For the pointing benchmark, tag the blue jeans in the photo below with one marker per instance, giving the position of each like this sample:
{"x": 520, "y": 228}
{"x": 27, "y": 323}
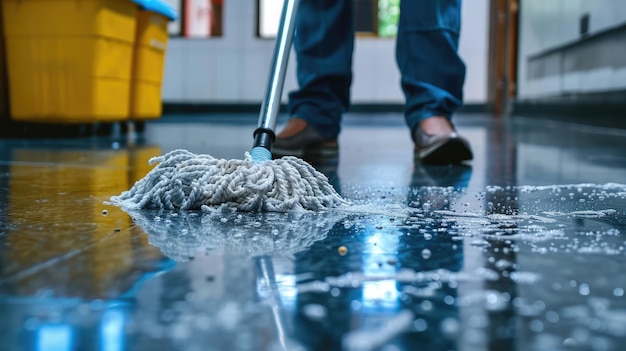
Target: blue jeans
{"x": 432, "y": 72}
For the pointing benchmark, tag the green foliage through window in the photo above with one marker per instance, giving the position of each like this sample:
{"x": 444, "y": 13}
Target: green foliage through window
{"x": 388, "y": 17}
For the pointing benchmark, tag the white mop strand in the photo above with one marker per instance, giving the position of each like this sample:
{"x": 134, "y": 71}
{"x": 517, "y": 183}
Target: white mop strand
{"x": 187, "y": 181}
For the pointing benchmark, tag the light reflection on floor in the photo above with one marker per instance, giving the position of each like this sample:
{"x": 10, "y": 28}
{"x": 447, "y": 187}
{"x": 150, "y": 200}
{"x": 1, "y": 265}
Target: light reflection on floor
{"x": 521, "y": 249}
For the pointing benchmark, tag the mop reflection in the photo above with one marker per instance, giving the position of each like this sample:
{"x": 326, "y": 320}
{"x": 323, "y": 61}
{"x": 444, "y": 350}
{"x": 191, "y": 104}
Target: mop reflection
{"x": 373, "y": 306}
{"x": 183, "y": 235}
{"x": 246, "y": 245}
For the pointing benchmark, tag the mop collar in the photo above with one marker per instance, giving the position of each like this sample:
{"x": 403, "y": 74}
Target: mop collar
{"x": 186, "y": 181}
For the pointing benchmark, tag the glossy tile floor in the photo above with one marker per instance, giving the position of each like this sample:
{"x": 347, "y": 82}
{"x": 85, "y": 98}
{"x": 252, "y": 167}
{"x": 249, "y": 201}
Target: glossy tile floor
{"x": 520, "y": 249}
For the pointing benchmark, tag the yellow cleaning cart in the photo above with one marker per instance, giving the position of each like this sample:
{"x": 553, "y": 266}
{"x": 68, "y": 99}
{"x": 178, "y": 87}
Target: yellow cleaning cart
{"x": 149, "y": 59}
{"x": 71, "y": 61}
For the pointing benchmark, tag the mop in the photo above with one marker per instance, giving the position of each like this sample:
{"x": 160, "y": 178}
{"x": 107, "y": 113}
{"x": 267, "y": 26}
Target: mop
{"x": 182, "y": 180}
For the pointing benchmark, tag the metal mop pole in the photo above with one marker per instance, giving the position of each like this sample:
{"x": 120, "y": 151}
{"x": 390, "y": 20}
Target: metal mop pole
{"x": 265, "y": 270}
{"x": 264, "y": 134}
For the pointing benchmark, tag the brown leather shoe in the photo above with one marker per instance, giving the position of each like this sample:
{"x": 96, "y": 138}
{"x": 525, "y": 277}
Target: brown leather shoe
{"x": 299, "y": 138}
{"x": 441, "y": 148}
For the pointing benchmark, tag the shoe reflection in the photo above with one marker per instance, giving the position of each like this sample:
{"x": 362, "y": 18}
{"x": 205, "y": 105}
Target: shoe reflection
{"x": 374, "y": 305}
{"x": 456, "y": 176}
{"x": 434, "y": 186}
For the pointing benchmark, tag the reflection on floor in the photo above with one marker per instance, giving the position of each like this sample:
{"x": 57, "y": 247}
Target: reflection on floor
{"x": 520, "y": 249}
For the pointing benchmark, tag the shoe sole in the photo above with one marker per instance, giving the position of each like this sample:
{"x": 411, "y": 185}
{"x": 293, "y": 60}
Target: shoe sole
{"x": 453, "y": 151}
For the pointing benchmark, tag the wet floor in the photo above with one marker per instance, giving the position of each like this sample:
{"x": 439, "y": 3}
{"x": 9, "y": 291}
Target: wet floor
{"x": 520, "y": 249}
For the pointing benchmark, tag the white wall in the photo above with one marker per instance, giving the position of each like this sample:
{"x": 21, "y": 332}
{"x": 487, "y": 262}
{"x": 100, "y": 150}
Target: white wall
{"x": 547, "y": 24}
{"x": 234, "y": 68}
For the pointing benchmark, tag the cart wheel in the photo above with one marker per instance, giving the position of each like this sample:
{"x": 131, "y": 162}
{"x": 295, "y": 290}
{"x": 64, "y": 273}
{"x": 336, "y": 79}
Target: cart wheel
{"x": 124, "y": 127}
{"x": 140, "y": 126}
{"x": 103, "y": 129}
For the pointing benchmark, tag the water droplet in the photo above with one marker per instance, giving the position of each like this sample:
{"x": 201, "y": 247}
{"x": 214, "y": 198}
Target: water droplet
{"x": 619, "y": 292}
{"x": 480, "y": 243}
{"x": 420, "y": 325}
{"x": 426, "y": 254}
{"x": 314, "y": 311}
{"x": 552, "y": 316}
{"x": 536, "y": 326}
{"x": 450, "y": 326}
{"x": 342, "y": 250}
{"x": 583, "y": 289}
{"x": 539, "y": 305}
{"x": 570, "y": 342}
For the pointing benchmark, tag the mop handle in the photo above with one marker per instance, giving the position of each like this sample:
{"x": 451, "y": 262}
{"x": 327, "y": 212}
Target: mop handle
{"x": 264, "y": 134}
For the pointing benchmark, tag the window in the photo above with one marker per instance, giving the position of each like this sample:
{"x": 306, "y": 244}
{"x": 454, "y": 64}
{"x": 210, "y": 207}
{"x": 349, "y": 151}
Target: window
{"x": 388, "y": 17}
{"x": 269, "y": 12}
{"x": 377, "y": 18}
{"x": 197, "y": 18}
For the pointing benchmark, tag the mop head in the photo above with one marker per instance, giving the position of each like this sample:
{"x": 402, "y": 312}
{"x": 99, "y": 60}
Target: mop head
{"x": 186, "y": 181}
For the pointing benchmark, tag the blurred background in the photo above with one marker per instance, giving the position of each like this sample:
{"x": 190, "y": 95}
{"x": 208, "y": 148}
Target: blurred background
{"x": 561, "y": 58}
{"x": 519, "y": 53}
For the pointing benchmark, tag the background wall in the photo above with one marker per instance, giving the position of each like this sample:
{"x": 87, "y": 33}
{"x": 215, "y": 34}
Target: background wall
{"x": 555, "y": 59}
{"x": 234, "y": 68}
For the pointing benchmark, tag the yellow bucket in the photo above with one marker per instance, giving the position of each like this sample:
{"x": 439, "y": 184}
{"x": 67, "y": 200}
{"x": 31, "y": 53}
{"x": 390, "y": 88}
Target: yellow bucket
{"x": 148, "y": 65}
{"x": 69, "y": 60}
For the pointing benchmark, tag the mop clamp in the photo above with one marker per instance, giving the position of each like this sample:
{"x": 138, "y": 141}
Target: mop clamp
{"x": 264, "y": 137}
{"x": 262, "y": 149}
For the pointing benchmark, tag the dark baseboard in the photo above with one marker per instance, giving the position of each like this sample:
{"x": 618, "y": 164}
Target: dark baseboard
{"x": 606, "y": 109}
{"x": 203, "y": 108}
{"x": 35, "y": 130}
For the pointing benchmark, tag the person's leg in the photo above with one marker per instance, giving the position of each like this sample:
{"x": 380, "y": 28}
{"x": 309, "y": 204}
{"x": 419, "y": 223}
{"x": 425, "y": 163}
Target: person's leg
{"x": 323, "y": 43}
{"x": 432, "y": 72}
